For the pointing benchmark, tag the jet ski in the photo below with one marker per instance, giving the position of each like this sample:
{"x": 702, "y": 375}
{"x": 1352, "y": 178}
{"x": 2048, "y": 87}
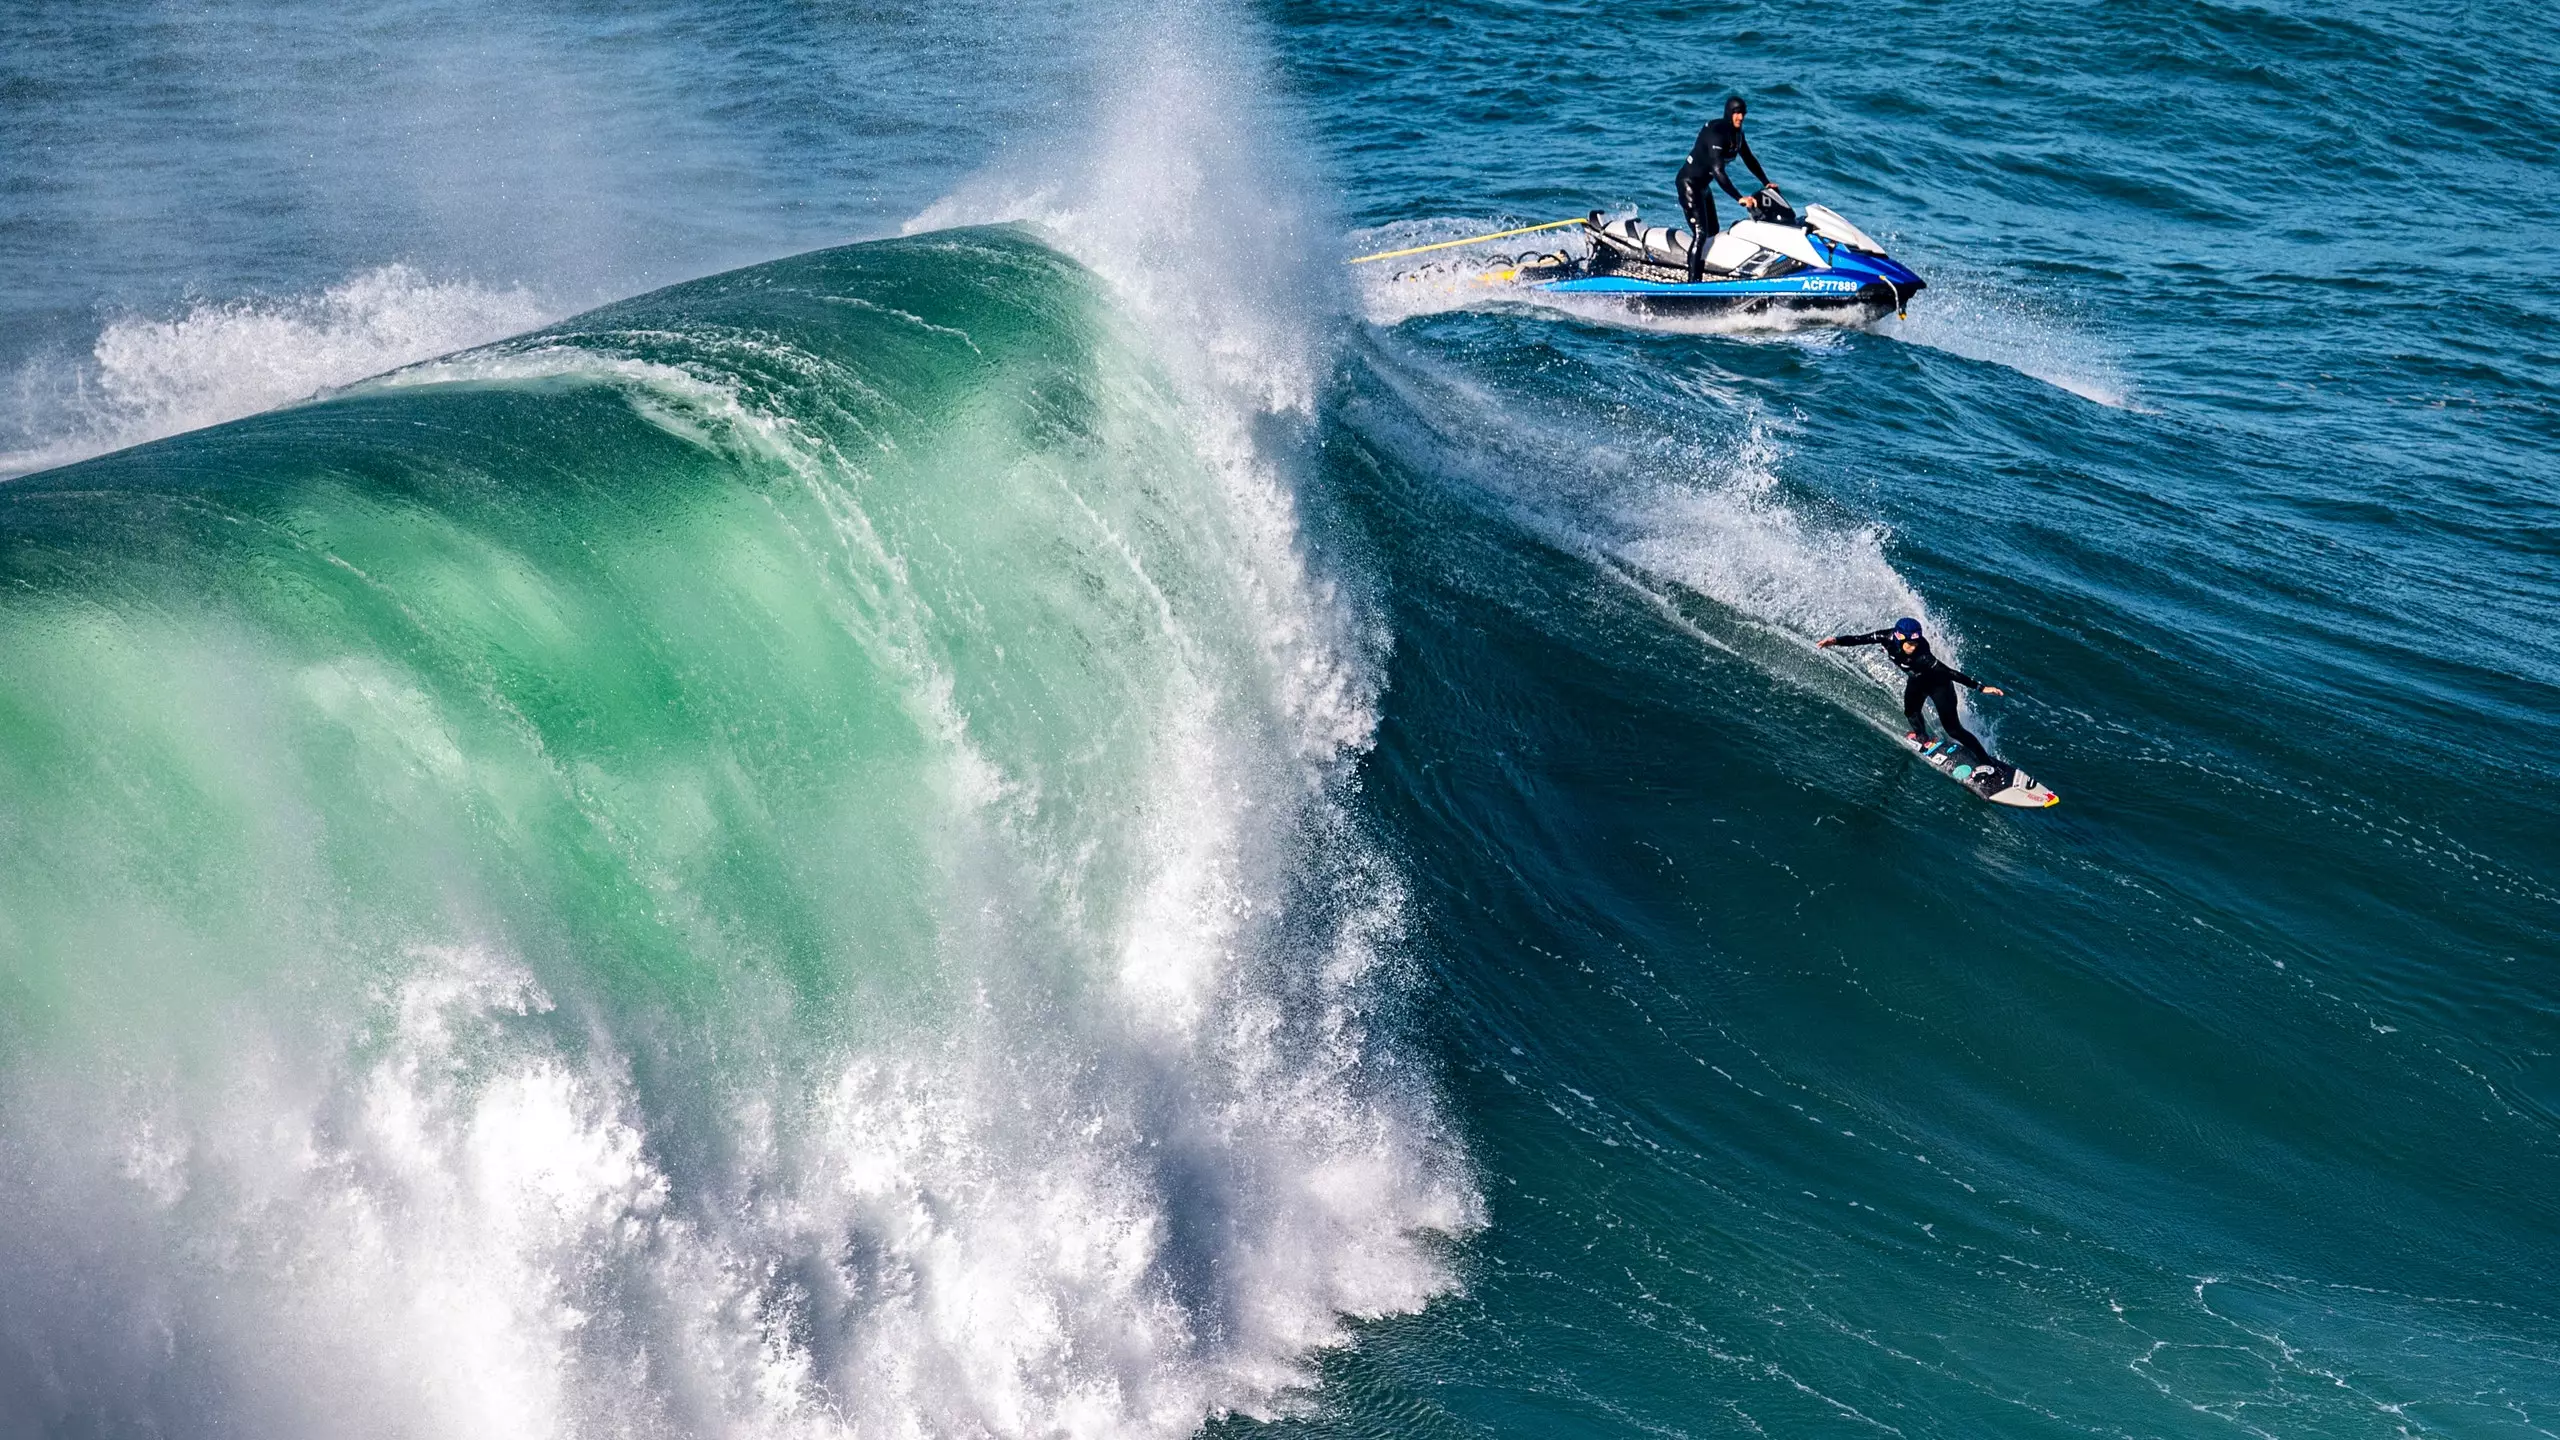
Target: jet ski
{"x": 1774, "y": 261}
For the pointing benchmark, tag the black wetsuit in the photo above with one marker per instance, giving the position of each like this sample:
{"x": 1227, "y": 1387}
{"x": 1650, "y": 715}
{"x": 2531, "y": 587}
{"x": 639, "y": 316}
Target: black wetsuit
{"x": 1931, "y": 679}
{"x": 1720, "y": 143}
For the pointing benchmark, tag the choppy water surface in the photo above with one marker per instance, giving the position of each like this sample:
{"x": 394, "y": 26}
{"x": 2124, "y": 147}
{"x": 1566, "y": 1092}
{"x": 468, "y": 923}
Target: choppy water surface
{"x": 1075, "y": 819}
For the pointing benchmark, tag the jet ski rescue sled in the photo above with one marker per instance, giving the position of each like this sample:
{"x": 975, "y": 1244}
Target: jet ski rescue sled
{"x": 1782, "y": 263}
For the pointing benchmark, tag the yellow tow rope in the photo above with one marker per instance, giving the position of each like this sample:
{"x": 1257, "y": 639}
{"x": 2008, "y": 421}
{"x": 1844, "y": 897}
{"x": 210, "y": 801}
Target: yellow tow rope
{"x": 1470, "y": 240}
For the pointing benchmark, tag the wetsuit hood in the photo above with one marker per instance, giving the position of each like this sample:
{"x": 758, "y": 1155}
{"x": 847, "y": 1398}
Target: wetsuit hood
{"x": 1733, "y": 106}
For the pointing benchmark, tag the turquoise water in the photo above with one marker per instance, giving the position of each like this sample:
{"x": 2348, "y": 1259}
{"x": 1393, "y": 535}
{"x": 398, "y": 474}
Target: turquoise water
{"x": 1074, "y": 819}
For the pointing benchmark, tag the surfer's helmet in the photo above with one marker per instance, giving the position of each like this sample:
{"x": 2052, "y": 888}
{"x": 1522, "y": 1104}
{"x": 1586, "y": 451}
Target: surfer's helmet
{"x": 1907, "y": 628}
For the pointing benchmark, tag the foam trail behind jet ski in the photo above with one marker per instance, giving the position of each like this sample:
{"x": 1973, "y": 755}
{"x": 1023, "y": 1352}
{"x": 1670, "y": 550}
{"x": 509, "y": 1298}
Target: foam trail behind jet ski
{"x": 1978, "y": 317}
{"x": 1466, "y": 278}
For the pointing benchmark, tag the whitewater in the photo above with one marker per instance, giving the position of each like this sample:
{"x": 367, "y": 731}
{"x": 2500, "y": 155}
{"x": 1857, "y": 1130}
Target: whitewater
{"x": 749, "y": 721}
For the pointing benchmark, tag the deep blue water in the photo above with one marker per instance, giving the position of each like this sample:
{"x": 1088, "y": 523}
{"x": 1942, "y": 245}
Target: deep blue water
{"x": 1107, "y": 824}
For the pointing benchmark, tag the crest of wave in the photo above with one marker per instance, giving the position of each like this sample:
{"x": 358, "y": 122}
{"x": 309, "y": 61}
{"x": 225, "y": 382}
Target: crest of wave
{"x": 146, "y": 378}
{"x": 1251, "y": 978}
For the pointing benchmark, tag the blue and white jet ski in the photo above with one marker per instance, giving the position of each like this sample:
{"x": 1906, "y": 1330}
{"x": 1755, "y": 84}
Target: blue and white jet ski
{"x": 1818, "y": 262}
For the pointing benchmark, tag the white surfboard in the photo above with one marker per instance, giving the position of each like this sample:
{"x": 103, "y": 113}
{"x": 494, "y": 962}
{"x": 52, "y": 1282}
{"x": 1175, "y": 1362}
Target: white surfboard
{"x": 1999, "y": 784}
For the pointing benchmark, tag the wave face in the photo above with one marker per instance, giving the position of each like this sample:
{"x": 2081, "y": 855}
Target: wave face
{"x": 777, "y": 858}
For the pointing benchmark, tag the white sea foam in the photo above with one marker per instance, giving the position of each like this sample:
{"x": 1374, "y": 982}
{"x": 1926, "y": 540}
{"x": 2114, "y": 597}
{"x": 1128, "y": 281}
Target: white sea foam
{"x": 1981, "y": 318}
{"x": 1729, "y": 531}
{"x": 148, "y": 377}
{"x": 1464, "y": 277}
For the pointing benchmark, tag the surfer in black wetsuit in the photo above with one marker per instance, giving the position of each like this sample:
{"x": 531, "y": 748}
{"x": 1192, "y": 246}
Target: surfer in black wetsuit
{"x": 1931, "y": 679}
{"x": 1720, "y": 143}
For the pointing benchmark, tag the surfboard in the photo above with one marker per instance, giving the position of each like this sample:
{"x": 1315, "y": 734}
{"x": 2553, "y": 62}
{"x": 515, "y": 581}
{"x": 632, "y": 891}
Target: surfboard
{"x": 1999, "y": 784}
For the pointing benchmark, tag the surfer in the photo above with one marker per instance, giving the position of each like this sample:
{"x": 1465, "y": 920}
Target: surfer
{"x": 1720, "y": 143}
{"x": 1931, "y": 679}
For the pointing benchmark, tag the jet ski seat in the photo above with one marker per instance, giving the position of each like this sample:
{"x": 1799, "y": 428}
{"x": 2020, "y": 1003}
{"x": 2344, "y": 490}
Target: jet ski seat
{"x": 1631, "y": 241}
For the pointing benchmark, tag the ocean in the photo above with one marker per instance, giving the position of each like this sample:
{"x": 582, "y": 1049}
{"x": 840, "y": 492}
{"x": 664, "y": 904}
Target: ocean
{"x": 776, "y": 719}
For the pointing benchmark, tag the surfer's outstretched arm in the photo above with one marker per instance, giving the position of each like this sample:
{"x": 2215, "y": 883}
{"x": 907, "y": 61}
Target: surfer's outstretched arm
{"x": 1968, "y": 681}
{"x": 1874, "y": 637}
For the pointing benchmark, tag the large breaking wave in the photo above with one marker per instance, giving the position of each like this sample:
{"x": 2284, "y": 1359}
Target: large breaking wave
{"x": 773, "y": 859}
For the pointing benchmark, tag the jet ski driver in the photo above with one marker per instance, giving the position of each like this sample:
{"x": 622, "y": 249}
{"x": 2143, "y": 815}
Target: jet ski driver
{"x": 1931, "y": 679}
{"x": 1720, "y": 143}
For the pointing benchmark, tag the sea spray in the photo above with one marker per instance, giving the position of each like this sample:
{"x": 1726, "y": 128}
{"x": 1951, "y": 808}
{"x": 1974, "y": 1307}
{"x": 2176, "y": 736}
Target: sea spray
{"x": 148, "y": 377}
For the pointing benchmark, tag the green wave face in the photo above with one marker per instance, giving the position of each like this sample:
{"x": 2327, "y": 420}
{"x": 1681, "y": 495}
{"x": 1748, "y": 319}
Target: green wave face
{"x": 784, "y": 838}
